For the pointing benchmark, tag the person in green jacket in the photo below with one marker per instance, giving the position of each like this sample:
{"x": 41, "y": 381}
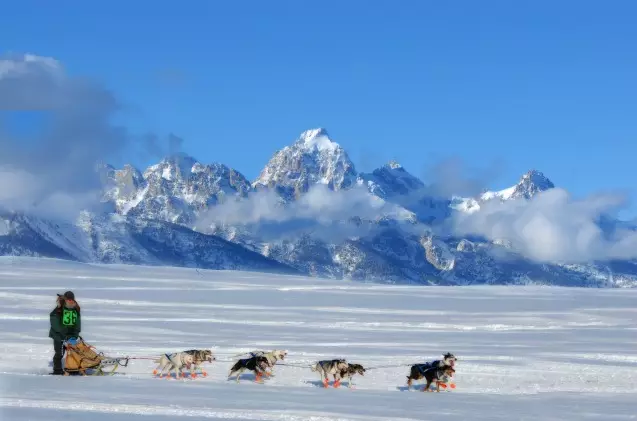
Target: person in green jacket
{"x": 65, "y": 324}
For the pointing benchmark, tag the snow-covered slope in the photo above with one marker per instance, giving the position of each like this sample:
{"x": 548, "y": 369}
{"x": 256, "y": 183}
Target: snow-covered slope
{"x": 524, "y": 352}
{"x": 114, "y": 238}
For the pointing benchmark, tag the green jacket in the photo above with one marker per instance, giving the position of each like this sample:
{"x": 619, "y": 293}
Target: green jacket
{"x": 65, "y": 323}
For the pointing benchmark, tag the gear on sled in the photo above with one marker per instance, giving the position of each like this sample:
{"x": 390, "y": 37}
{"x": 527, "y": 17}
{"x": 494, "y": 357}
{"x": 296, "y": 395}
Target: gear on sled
{"x": 82, "y": 359}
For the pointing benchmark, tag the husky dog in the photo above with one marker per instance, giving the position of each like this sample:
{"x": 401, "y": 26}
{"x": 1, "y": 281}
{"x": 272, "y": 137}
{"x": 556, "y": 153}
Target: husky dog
{"x": 176, "y": 362}
{"x": 272, "y": 357}
{"x": 333, "y": 367}
{"x": 350, "y": 371}
{"x": 257, "y": 364}
{"x": 439, "y": 374}
{"x": 201, "y": 356}
{"x": 448, "y": 359}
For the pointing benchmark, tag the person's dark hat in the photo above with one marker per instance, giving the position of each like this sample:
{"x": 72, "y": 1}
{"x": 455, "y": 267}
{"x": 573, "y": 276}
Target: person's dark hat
{"x": 68, "y": 295}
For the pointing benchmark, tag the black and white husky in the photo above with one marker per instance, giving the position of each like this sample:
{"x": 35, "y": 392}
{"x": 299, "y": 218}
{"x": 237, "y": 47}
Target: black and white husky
{"x": 350, "y": 371}
{"x": 272, "y": 357}
{"x": 330, "y": 367}
{"x": 256, "y": 364}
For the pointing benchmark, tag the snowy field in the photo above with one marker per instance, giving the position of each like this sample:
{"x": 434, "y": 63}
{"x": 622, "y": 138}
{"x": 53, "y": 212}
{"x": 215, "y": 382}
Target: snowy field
{"x": 525, "y": 353}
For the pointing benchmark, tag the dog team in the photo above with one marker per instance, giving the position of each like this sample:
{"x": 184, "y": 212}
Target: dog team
{"x": 438, "y": 372}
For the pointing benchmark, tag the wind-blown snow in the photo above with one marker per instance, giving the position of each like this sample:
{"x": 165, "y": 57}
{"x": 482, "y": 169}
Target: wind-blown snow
{"x": 524, "y": 352}
{"x": 319, "y": 139}
{"x": 502, "y": 194}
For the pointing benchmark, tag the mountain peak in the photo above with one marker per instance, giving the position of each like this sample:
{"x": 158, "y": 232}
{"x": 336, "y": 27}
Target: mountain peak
{"x": 536, "y": 177}
{"x": 394, "y": 165}
{"x": 173, "y": 166}
{"x": 530, "y": 184}
{"x": 179, "y": 158}
{"x": 317, "y": 139}
{"x": 313, "y": 159}
{"x": 390, "y": 180}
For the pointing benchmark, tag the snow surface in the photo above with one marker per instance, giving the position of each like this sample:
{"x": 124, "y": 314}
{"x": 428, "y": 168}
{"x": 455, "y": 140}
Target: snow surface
{"x": 525, "y": 353}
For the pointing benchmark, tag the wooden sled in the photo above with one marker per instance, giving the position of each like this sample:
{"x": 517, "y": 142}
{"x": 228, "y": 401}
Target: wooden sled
{"x": 82, "y": 359}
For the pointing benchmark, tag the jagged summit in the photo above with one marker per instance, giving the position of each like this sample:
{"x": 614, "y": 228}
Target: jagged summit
{"x": 312, "y": 159}
{"x": 317, "y": 139}
{"x": 531, "y": 183}
{"x": 177, "y": 165}
{"x": 390, "y": 180}
{"x": 394, "y": 165}
{"x": 536, "y": 178}
{"x": 176, "y": 189}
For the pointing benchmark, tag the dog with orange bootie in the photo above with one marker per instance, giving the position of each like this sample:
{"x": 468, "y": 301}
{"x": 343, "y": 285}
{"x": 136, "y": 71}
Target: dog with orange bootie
{"x": 258, "y": 365}
{"x": 335, "y": 367}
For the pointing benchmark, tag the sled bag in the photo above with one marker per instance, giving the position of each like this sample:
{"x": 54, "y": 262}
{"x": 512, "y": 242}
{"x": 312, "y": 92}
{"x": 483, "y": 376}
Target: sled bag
{"x": 80, "y": 356}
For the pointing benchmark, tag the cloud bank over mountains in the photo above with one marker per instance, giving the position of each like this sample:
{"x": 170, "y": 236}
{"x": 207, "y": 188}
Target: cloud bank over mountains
{"x": 310, "y": 187}
{"x": 553, "y": 227}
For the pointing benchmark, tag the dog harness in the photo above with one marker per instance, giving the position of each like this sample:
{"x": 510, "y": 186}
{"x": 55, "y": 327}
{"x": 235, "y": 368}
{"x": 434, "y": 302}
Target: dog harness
{"x": 424, "y": 367}
{"x": 170, "y": 359}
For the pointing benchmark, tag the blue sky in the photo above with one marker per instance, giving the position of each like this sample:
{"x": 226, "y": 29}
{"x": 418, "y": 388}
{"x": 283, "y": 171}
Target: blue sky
{"x": 515, "y": 85}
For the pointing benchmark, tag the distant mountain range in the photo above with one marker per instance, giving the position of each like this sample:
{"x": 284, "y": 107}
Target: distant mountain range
{"x": 308, "y": 212}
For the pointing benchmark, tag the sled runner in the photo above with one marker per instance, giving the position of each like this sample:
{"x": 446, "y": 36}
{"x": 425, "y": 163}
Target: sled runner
{"x": 82, "y": 359}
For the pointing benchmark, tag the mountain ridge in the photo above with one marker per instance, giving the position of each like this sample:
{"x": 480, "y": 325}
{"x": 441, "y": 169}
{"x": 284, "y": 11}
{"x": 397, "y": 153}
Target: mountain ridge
{"x": 389, "y": 226}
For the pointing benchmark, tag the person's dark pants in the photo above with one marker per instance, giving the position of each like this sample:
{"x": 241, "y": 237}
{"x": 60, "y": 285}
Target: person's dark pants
{"x": 57, "y": 357}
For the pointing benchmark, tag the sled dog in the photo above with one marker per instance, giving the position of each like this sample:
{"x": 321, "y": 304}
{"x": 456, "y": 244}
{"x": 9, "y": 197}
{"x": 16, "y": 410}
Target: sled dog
{"x": 272, "y": 357}
{"x": 350, "y": 371}
{"x": 256, "y": 364}
{"x": 430, "y": 374}
{"x": 173, "y": 362}
{"x": 201, "y": 356}
{"x": 333, "y": 367}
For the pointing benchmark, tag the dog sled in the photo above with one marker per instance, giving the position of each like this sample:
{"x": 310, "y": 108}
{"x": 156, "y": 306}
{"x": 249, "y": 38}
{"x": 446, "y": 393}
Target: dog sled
{"x": 82, "y": 359}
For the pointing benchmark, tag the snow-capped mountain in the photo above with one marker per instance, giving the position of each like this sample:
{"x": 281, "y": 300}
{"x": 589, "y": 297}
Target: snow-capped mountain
{"x": 395, "y": 184}
{"x": 312, "y": 159}
{"x": 531, "y": 183}
{"x": 176, "y": 189}
{"x": 391, "y": 180}
{"x": 387, "y": 227}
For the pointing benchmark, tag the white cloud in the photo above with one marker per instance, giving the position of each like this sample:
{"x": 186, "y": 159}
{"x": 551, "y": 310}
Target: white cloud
{"x": 54, "y": 172}
{"x": 453, "y": 176}
{"x": 553, "y": 227}
{"x": 320, "y": 211}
